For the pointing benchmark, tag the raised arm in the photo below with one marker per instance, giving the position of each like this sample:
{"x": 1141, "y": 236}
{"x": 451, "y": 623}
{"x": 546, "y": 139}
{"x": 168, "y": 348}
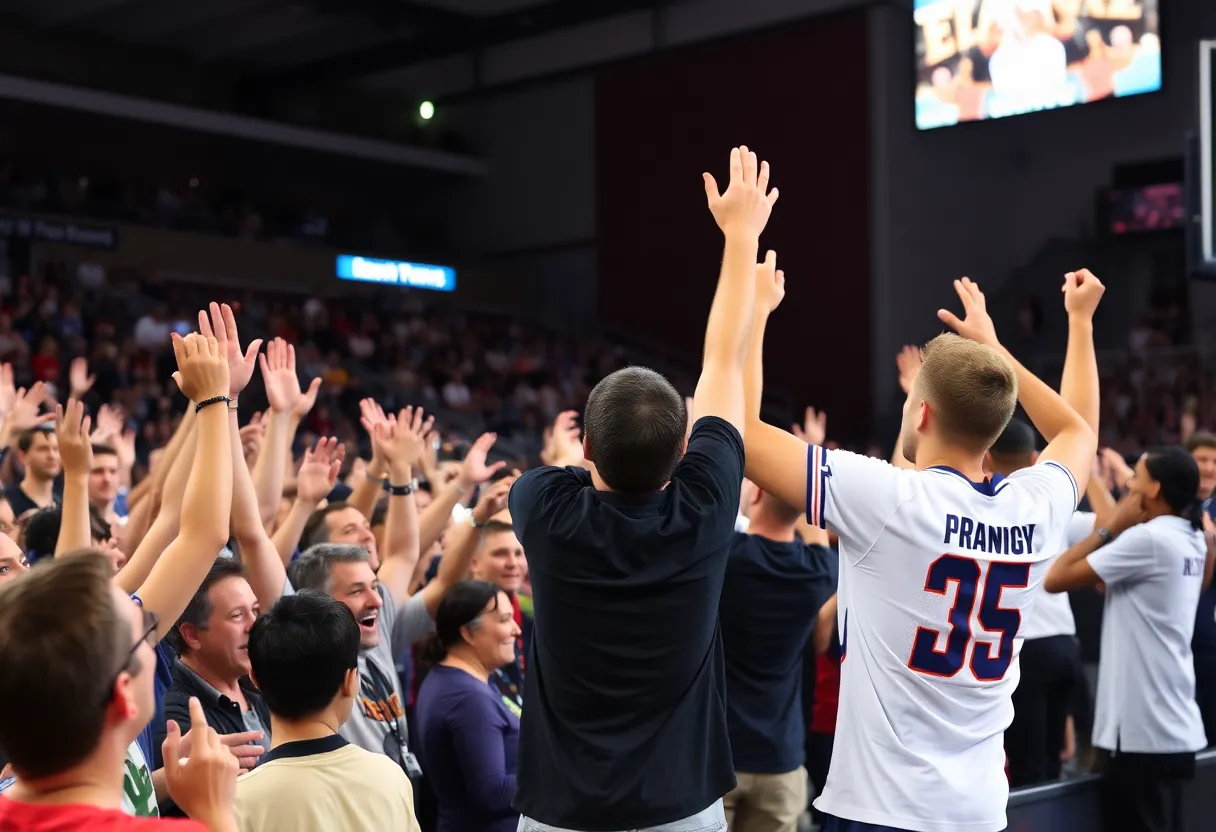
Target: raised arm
{"x": 203, "y": 376}
{"x": 314, "y": 481}
{"x": 1074, "y": 442}
{"x": 1079, "y": 383}
{"x": 776, "y": 460}
{"x": 454, "y": 565}
{"x": 76, "y": 455}
{"x": 399, "y": 442}
{"x": 283, "y": 392}
{"x": 742, "y": 213}
{"x": 908, "y": 360}
{"x": 474, "y": 471}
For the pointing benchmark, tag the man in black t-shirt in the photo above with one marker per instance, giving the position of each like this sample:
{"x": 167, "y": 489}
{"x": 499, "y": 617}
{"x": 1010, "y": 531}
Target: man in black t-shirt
{"x": 775, "y": 586}
{"x": 624, "y": 718}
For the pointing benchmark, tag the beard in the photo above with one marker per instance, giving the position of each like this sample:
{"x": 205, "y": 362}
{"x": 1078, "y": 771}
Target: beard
{"x": 907, "y": 446}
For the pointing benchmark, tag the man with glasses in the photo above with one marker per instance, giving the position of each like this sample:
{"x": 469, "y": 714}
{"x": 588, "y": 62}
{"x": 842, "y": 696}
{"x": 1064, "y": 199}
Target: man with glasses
{"x": 85, "y": 679}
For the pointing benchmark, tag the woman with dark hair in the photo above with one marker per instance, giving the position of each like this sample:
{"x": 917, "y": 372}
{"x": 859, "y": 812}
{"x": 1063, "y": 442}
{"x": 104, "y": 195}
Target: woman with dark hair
{"x": 1154, "y": 562}
{"x": 468, "y": 734}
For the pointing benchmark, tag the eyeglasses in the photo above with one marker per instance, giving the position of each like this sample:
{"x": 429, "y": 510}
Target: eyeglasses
{"x": 151, "y": 625}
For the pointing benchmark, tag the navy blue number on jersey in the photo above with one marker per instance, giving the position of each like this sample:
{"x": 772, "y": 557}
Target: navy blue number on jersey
{"x": 990, "y": 660}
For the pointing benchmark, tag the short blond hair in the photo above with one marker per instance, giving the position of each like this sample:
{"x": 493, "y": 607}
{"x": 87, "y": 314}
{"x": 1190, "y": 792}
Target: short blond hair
{"x": 971, "y": 388}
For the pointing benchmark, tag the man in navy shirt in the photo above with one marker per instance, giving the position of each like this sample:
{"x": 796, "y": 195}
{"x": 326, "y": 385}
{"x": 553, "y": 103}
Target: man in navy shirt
{"x": 1202, "y": 446}
{"x": 775, "y": 585}
{"x": 624, "y": 718}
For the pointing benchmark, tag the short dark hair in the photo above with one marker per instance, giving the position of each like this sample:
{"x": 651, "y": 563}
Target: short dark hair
{"x": 198, "y": 610}
{"x": 1200, "y": 439}
{"x": 461, "y": 606}
{"x": 312, "y": 568}
{"x": 62, "y": 641}
{"x": 42, "y": 531}
{"x": 1017, "y": 438}
{"x": 100, "y": 449}
{"x": 380, "y": 514}
{"x": 635, "y": 423}
{"x": 316, "y": 530}
{"x": 301, "y": 650}
{"x": 26, "y": 439}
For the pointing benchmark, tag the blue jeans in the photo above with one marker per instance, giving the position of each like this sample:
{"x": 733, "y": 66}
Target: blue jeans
{"x": 712, "y": 819}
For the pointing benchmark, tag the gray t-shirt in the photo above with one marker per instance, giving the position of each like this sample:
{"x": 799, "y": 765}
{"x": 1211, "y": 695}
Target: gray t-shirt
{"x": 381, "y": 707}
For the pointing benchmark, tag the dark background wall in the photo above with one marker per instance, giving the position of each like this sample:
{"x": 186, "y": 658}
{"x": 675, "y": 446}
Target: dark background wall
{"x": 798, "y": 96}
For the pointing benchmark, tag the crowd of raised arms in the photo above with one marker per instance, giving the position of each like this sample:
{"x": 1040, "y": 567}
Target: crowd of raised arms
{"x": 619, "y": 638}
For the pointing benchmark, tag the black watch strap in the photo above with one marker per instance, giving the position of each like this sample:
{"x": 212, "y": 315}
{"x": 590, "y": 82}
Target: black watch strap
{"x": 401, "y": 490}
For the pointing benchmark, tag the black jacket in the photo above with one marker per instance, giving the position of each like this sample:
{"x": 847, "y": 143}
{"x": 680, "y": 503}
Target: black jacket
{"x": 223, "y": 714}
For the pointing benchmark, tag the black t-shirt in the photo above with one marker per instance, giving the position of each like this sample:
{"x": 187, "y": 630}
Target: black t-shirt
{"x": 21, "y": 502}
{"x": 624, "y": 723}
{"x": 770, "y": 601}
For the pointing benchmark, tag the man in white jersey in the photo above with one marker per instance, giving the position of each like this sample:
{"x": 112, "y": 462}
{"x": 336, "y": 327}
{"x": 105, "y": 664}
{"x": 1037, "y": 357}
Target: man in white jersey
{"x": 938, "y": 566}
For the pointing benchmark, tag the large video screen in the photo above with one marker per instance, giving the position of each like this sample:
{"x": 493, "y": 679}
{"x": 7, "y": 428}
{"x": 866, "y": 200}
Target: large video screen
{"x": 982, "y": 59}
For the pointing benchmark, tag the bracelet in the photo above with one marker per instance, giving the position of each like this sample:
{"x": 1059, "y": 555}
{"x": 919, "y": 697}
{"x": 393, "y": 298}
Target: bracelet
{"x": 209, "y": 402}
{"x": 401, "y": 490}
{"x": 473, "y": 522}
{"x": 232, "y": 405}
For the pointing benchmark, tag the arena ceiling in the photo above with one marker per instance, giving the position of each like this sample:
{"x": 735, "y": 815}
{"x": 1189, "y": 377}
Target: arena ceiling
{"x": 291, "y": 45}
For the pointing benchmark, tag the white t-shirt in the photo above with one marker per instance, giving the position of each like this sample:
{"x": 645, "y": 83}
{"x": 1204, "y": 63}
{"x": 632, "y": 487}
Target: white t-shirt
{"x": 1052, "y": 610}
{"x": 1146, "y": 679}
{"x": 936, "y": 575}
{"x": 138, "y": 793}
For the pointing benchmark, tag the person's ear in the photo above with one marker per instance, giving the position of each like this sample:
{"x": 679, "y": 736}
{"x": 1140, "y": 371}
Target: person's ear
{"x": 189, "y": 634}
{"x": 350, "y": 684}
{"x": 923, "y": 415}
{"x": 587, "y": 453}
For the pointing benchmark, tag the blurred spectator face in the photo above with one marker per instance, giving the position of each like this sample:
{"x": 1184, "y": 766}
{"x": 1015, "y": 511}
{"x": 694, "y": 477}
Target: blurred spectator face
{"x": 42, "y": 459}
{"x": 1205, "y": 458}
{"x": 500, "y": 560}
{"x": 223, "y": 644}
{"x": 747, "y": 495}
{"x": 349, "y": 526}
{"x": 493, "y": 640}
{"x": 12, "y": 559}
{"x": 103, "y": 480}
{"x": 354, "y": 584}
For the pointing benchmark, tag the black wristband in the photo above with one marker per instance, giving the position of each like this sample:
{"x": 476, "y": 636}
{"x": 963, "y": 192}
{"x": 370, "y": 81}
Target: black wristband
{"x": 401, "y": 490}
{"x": 209, "y": 402}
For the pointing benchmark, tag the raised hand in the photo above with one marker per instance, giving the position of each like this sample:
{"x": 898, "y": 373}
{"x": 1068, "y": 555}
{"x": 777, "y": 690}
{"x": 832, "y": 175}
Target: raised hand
{"x": 370, "y": 415}
{"x": 567, "y": 439}
{"x": 24, "y": 413}
{"x": 400, "y": 440}
{"x": 8, "y": 392}
{"x": 110, "y": 424}
{"x": 279, "y": 375}
{"x": 474, "y": 470}
{"x": 124, "y": 446}
{"x": 494, "y": 499}
{"x": 75, "y": 447}
{"x": 251, "y": 438}
{"x": 770, "y": 284}
{"x": 1082, "y": 292}
{"x": 80, "y": 381}
{"x": 908, "y": 360}
{"x": 202, "y": 372}
{"x": 319, "y": 471}
{"x": 1119, "y": 469}
{"x": 221, "y": 324}
{"x": 307, "y": 400}
{"x": 814, "y": 427}
{"x": 747, "y": 203}
{"x": 976, "y": 324}
{"x": 204, "y": 785}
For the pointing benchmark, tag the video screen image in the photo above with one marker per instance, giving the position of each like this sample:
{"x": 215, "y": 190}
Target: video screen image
{"x": 982, "y": 59}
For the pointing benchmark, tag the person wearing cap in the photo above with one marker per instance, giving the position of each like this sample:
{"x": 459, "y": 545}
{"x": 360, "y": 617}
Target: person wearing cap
{"x": 1050, "y": 658}
{"x": 1153, "y": 560}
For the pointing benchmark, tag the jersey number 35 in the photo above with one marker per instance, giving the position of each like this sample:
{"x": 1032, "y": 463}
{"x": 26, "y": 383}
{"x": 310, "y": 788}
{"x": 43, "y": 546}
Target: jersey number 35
{"x": 974, "y": 582}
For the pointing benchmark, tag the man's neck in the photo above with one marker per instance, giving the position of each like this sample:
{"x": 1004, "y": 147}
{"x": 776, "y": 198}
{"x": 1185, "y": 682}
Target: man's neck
{"x": 228, "y": 687}
{"x": 970, "y": 466}
{"x": 37, "y": 489}
{"x": 769, "y": 530}
{"x": 95, "y": 782}
{"x": 317, "y": 727}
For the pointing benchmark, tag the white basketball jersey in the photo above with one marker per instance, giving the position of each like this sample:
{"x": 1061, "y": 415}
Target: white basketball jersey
{"x": 937, "y": 575}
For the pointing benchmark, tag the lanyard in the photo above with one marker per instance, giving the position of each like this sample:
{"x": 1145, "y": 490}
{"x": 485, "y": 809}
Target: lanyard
{"x": 379, "y": 689}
